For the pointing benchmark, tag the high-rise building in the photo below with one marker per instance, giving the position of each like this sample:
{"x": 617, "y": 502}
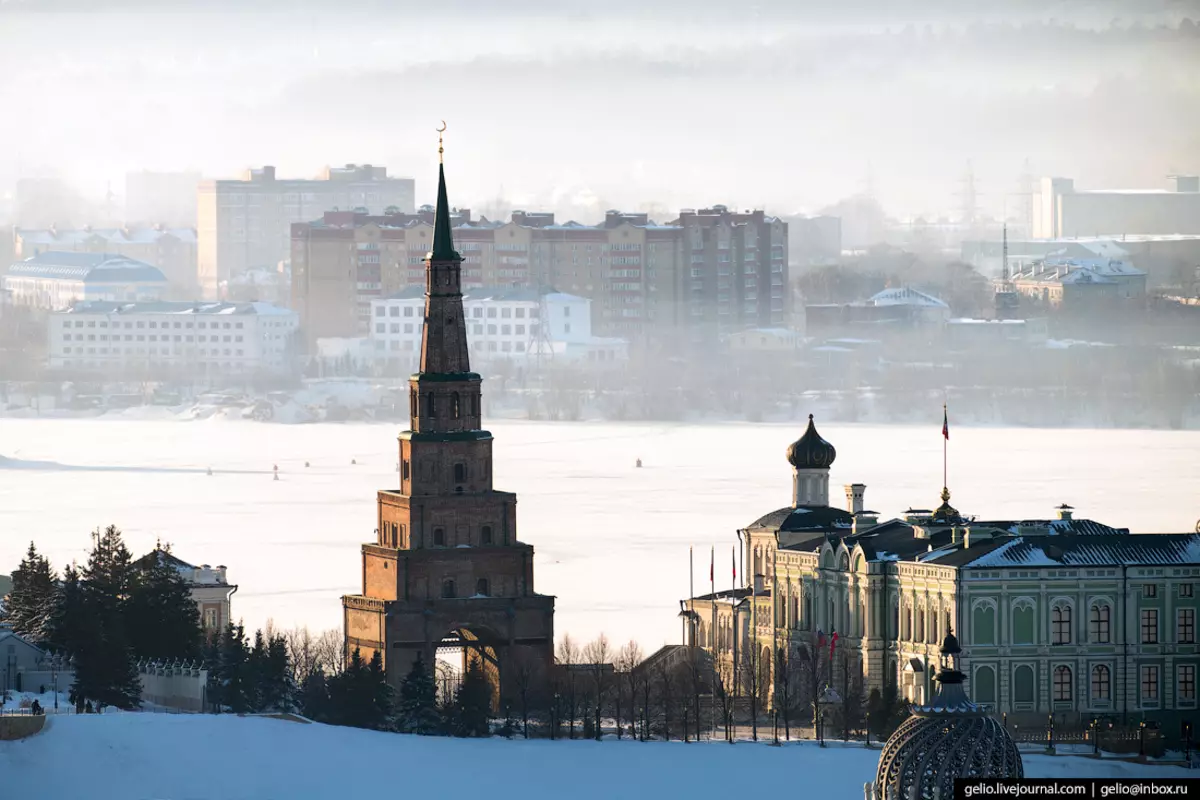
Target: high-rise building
{"x": 645, "y": 280}
{"x": 1062, "y": 211}
{"x": 246, "y": 223}
{"x": 446, "y": 569}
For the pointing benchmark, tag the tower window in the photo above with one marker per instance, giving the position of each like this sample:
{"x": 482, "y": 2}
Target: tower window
{"x": 412, "y": 403}
{"x": 481, "y": 587}
{"x": 448, "y": 588}
{"x": 404, "y": 469}
{"x": 430, "y": 408}
{"x": 486, "y": 534}
{"x": 454, "y": 405}
{"x": 460, "y": 471}
{"x": 395, "y": 535}
{"x": 439, "y": 537}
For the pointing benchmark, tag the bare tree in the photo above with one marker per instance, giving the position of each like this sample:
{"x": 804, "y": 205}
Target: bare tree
{"x": 309, "y": 655}
{"x": 752, "y": 687}
{"x": 331, "y": 650}
{"x": 626, "y": 662}
{"x": 785, "y": 687}
{"x": 567, "y": 657}
{"x": 598, "y": 656}
{"x": 527, "y": 672}
{"x": 725, "y": 700}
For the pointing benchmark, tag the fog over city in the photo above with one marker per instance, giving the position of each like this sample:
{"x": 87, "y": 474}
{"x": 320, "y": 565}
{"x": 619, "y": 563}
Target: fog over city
{"x": 787, "y": 106}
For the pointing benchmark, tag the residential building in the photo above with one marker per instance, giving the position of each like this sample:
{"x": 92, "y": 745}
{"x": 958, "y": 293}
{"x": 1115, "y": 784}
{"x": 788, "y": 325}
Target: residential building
{"x": 209, "y": 586}
{"x": 737, "y": 271}
{"x": 1087, "y": 283}
{"x": 53, "y": 281}
{"x": 1061, "y": 616}
{"x": 897, "y": 306}
{"x": 168, "y": 198}
{"x": 172, "y": 250}
{"x": 523, "y": 325}
{"x": 447, "y": 569}
{"x": 246, "y": 224}
{"x": 177, "y": 338}
{"x": 1061, "y": 210}
{"x": 1166, "y": 260}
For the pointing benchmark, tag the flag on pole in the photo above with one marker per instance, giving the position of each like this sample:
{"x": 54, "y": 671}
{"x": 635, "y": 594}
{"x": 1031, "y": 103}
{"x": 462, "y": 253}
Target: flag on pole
{"x": 820, "y": 638}
{"x": 945, "y": 424}
{"x": 712, "y": 560}
{"x": 832, "y": 644}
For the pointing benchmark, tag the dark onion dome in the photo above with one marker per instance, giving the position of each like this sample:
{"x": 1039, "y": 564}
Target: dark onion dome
{"x": 949, "y": 738}
{"x": 945, "y": 512}
{"x": 827, "y": 519}
{"x": 810, "y": 451}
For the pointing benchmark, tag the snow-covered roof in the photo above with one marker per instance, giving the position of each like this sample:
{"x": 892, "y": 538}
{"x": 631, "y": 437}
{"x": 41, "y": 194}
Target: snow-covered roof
{"x": 52, "y": 237}
{"x": 87, "y": 267}
{"x": 904, "y": 296}
{"x": 1056, "y": 551}
{"x": 183, "y": 308}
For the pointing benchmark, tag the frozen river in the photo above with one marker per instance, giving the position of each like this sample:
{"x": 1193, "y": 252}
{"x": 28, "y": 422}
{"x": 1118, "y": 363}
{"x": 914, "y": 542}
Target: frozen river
{"x": 612, "y": 541}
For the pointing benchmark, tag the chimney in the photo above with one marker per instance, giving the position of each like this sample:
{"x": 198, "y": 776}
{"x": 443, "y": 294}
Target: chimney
{"x": 865, "y": 520}
{"x": 1065, "y": 512}
{"x": 854, "y": 497}
{"x": 956, "y": 534}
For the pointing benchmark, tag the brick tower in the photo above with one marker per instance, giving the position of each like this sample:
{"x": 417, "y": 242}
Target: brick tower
{"x": 446, "y": 568}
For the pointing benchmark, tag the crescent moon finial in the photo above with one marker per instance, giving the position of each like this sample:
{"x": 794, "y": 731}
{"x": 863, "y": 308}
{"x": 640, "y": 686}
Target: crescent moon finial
{"x": 440, "y": 131}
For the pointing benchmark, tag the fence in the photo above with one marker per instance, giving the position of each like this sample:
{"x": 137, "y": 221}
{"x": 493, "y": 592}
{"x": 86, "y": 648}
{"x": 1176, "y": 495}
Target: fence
{"x": 181, "y": 686}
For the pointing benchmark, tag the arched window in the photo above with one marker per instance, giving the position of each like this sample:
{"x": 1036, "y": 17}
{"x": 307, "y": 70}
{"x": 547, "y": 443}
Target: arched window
{"x": 1022, "y": 624}
{"x": 844, "y": 562}
{"x": 919, "y": 636}
{"x": 412, "y": 403}
{"x": 1062, "y": 684}
{"x": 430, "y": 407}
{"x": 485, "y": 535}
{"x": 439, "y": 537}
{"x": 481, "y": 587}
{"x": 1023, "y": 684}
{"x": 984, "y": 690}
{"x": 395, "y": 534}
{"x": 1098, "y": 623}
{"x": 448, "y": 588}
{"x": 460, "y": 473}
{"x": 1101, "y": 685}
{"x": 983, "y": 623}
{"x": 454, "y": 405}
{"x": 1060, "y": 624}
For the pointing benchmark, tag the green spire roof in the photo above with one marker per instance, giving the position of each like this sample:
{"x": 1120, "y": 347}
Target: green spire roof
{"x": 443, "y": 245}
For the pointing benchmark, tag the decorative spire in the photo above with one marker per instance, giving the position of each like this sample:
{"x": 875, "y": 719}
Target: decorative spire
{"x": 443, "y": 244}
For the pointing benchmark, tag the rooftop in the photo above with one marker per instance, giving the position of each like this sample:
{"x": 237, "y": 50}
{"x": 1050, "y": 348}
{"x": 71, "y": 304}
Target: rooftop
{"x": 183, "y": 308}
{"x": 87, "y": 267}
{"x": 50, "y": 237}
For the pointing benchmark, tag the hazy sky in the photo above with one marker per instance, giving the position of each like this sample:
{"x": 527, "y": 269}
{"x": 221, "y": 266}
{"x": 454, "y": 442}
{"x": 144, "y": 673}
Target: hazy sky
{"x": 783, "y": 105}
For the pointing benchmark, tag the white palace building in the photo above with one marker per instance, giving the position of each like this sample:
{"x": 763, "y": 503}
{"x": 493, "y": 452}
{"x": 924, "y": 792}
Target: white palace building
{"x": 1061, "y": 616}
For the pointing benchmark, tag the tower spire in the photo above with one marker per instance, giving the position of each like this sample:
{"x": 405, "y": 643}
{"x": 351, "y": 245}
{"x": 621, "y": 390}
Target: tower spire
{"x": 443, "y": 244}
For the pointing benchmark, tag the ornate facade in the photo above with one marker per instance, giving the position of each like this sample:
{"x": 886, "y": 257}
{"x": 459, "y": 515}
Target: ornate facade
{"x": 446, "y": 568}
{"x": 1065, "y": 616}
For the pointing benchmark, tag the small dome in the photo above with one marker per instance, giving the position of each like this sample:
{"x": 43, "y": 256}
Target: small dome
{"x": 949, "y": 738}
{"x": 810, "y": 451}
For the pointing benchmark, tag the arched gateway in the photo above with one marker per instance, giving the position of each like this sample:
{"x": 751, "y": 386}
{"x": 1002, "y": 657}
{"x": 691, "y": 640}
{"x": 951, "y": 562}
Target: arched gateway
{"x": 446, "y": 561}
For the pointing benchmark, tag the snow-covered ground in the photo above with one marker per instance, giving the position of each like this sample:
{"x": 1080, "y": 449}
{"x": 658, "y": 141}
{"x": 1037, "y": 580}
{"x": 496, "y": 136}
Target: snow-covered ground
{"x": 119, "y": 756}
{"x": 612, "y": 541}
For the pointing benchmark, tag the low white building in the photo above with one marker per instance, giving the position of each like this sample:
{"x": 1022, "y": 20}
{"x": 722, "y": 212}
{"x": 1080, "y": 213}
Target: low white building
{"x": 55, "y": 280}
{"x": 210, "y": 588}
{"x": 190, "y": 337}
{"x": 515, "y": 324}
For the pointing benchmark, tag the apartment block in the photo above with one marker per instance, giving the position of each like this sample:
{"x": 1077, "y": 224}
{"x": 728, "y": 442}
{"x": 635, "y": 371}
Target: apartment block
{"x": 246, "y": 223}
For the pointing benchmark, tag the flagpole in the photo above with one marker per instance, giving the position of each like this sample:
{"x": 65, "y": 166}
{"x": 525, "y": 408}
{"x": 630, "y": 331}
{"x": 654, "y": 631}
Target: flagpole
{"x": 945, "y": 446}
{"x": 712, "y": 580}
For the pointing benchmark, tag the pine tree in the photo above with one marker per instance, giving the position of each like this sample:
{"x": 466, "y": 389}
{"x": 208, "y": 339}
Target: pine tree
{"x": 105, "y": 669}
{"x": 162, "y": 617}
{"x": 417, "y": 711}
{"x": 314, "y": 698}
{"x": 276, "y": 691}
{"x": 233, "y": 656}
{"x": 380, "y": 692}
{"x": 473, "y": 703}
{"x": 255, "y": 673}
{"x": 360, "y": 697}
{"x": 31, "y": 601}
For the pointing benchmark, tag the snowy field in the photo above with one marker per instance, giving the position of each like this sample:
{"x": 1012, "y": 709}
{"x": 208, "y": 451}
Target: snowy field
{"x": 180, "y": 757}
{"x": 612, "y": 541}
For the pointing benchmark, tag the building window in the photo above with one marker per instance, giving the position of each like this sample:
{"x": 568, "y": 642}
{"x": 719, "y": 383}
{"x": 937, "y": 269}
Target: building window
{"x": 481, "y": 587}
{"x": 1150, "y": 684}
{"x": 1186, "y": 674}
{"x": 1185, "y": 590}
{"x": 460, "y": 473}
{"x": 454, "y": 406}
{"x": 394, "y": 311}
{"x": 985, "y": 685}
{"x": 1023, "y": 624}
{"x": 1101, "y": 686}
{"x": 1149, "y": 626}
{"x": 1150, "y": 590}
{"x": 210, "y": 619}
{"x": 430, "y": 408}
{"x": 1098, "y": 623}
{"x": 486, "y": 534}
{"x": 439, "y": 537}
{"x": 448, "y": 588}
{"x": 379, "y": 311}
{"x": 1060, "y": 625}
{"x": 408, "y": 311}
{"x": 1062, "y": 684}
{"x": 1185, "y": 626}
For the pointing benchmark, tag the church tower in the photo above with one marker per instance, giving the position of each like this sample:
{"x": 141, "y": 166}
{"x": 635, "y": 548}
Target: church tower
{"x": 446, "y": 568}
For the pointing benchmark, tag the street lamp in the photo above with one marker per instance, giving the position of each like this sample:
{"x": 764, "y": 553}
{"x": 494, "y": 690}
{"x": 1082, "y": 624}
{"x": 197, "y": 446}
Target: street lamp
{"x": 1095, "y": 737}
{"x": 1141, "y": 739}
{"x": 827, "y": 700}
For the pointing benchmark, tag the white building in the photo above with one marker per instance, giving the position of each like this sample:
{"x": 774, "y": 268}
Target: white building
{"x": 501, "y": 323}
{"x": 189, "y": 337}
{"x": 55, "y": 280}
{"x": 210, "y": 588}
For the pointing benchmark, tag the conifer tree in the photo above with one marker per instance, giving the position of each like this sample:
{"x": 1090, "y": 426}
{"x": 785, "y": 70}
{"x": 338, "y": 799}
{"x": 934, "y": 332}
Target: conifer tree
{"x": 163, "y": 620}
{"x": 360, "y": 697}
{"x": 255, "y": 672}
{"x": 70, "y": 628}
{"x": 417, "y": 711}
{"x": 276, "y": 690}
{"x": 473, "y": 702}
{"x": 314, "y": 697}
{"x": 230, "y": 670}
{"x": 31, "y": 601}
{"x": 105, "y": 669}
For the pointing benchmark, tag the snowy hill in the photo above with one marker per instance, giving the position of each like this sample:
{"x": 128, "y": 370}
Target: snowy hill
{"x": 172, "y": 757}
